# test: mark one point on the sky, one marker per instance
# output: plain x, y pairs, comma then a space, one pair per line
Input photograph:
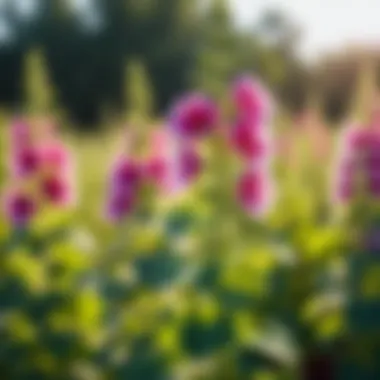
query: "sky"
326, 24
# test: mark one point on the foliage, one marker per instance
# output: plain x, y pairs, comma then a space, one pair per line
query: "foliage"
192, 287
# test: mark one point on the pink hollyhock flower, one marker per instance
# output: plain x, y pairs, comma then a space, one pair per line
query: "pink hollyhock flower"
126, 174
251, 100
184, 164
359, 156
160, 142
194, 116
250, 144
20, 208
254, 192
56, 157
360, 141
20, 134
56, 190
190, 164
374, 186
156, 170
119, 205
26, 161
126, 177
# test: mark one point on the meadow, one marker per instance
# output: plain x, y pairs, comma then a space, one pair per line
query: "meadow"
214, 280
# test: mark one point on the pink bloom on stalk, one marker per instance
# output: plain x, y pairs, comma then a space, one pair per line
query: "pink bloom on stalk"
160, 142
20, 208
360, 155
250, 144
20, 133
156, 170
184, 164
56, 190
254, 192
119, 205
194, 116
126, 175
26, 161
56, 157
157, 166
190, 164
252, 101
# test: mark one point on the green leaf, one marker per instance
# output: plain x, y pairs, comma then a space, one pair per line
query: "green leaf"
201, 339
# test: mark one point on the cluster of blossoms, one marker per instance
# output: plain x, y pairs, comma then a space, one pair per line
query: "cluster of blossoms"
40, 171
358, 164
124, 185
251, 139
356, 177
193, 118
175, 160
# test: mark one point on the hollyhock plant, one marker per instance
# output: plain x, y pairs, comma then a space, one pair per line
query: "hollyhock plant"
160, 142
20, 207
185, 165
56, 158
20, 134
156, 169
193, 116
251, 100
157, 165
249, 144
56, 190
254, 192
126, 178
119, 205
126, 174
358, 159
26, 161
190, 164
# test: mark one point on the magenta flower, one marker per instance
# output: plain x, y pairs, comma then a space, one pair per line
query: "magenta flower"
119, 205
251, 100
156, 170
194, 116
160, 142
26, 161
20, 134
126, 175
190, 164
359, 159
20, 208
254, 192
365, 140
56, 158
56, 190
250, 144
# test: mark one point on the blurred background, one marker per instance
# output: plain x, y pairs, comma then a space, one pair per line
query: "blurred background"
194, 287
88, 51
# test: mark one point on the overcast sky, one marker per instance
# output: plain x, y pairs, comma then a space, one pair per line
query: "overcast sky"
327, 24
